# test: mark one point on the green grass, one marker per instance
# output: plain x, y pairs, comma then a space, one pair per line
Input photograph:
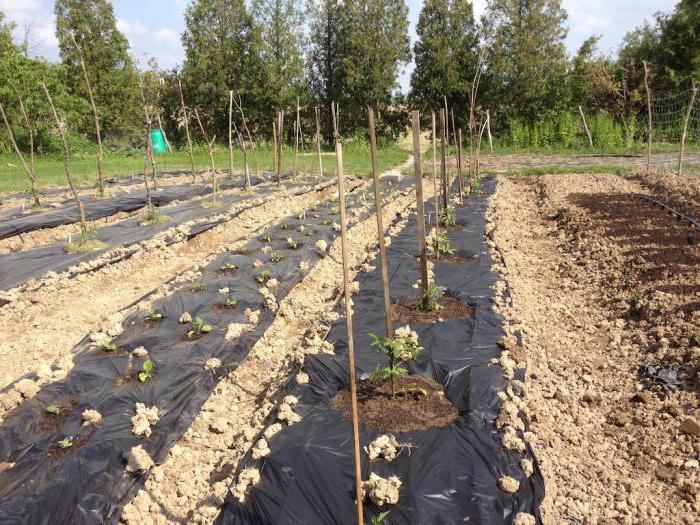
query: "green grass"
49, 169
553, 170
636, 148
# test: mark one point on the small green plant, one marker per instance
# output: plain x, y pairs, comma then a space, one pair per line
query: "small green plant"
309, 233
285, 225
154, 217
266, 237
231, 302
443, 244
400, 349
147, 370
227, 267
327, 222
198, 286
335, 210
301, 214
430, 300
292, 244
154, 316
276, 257
200, 328
449, 217
379, 519
86, 242
263, 276
109, 346
66, 442
53, 409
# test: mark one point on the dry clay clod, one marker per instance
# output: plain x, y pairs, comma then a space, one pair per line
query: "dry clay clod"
508, 484
91, 417
212, 364
261, 449
185, 318
247, 478
523, 518
138, 460
381, 490
384, 446
144, 418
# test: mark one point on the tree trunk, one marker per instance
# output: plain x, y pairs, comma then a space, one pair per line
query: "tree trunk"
585, 126
685, 129
185, 119
29, 171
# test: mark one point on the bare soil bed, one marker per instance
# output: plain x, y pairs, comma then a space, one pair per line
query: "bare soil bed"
601, 284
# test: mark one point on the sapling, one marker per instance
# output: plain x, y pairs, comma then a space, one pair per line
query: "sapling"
28, 168
443, 244
147, 370
53, 409
448, 216
263, 276
200, 328
276, 257
400, 349
66, 442
429, 301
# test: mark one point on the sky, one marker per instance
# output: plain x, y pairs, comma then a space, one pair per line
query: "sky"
153, 27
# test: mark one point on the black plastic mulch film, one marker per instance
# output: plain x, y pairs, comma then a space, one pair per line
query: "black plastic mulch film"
449, 475
89, 484
18, 267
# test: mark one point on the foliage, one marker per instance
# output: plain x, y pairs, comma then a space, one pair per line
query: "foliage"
263, 276
276, 257
449, 216
443, 244
200, 328
109, 346
430, 300
400, 349
66, 442
53, 409
147, 371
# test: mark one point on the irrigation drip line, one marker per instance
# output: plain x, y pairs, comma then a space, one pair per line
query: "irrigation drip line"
86, 483
679, 215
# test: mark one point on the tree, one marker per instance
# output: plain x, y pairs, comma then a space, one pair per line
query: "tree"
679, 49
6, 43
527, 60
109, 66
222, 53
446, 55
281, 25
591, 82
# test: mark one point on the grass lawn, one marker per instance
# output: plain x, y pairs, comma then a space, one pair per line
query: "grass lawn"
49, 169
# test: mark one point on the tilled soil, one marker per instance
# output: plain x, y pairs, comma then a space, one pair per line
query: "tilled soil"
600, 283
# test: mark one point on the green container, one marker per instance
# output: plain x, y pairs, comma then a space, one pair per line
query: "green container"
158, 141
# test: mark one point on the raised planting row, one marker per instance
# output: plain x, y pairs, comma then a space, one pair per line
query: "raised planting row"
76, 450
67, 213
433, 453
19, 267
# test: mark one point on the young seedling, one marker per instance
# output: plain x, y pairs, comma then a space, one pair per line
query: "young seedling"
400, 349
231, 302
301, 214
266, 237
335, 210
263, 276
276, 257
53, 409
227, 267
292, 244
199, 286
285, 225
327, 222
153, 217
66, 442
443, 244
449, 218
109, 346
147, 371
379, 519
309, 233
429, 301
154, 316
200, 328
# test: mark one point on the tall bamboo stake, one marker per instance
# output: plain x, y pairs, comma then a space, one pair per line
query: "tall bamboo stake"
650, 127
488, 130
348, 320
239, 104
297, 131
280, 128
210, 148
380, 224
436, 197
185, 119
454, 129
96, 117
230, 134
149, 141
66, 160
478, 152
685, 129
585, 126
274, 146
460, 182
443, 168
27, 169
318, 140
418, 171
447, 124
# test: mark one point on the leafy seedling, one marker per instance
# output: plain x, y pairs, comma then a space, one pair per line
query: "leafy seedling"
53, 409
285, 225
301, 215
292, 244
335, 210
276, 257
429, 301
66, 442
200, 328
443, 244
327, 222
309, 233
199, 286
154, 316
400, 349
231, 302
379, 519
147, 371
266, 237
449, 217
109, 346
263, 276
227, 267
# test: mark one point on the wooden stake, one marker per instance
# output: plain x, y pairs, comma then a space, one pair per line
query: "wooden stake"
230, 134
66, 160
585, 126
147, 114
348, 319
185, 119
478, 152
280, 128
685, 129
149, 201
29, 171
436, 195
318, 140
380, 225
650, 127
447, 124
96, 117
460, 182
297, 131
274, 145
239, 104
443, 167
488, 130
210, 148
418, 171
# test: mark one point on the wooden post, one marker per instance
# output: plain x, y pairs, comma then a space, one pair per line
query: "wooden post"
239, 104
147, 114
318, 140
185, 119
66, 160
29, 171
454, 129
488, 130
210, 148
149, 200
418, 170
274, 146
348, 320
380, 225
230, 134
585, 126
443, 171
297, 131
685, 129
436, 195
478, 152
460, 182
96, 117
447, 124
650, 127
280, 127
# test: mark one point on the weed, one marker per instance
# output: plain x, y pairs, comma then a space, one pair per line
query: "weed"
309, 233
301, 214
85, 243
276, 257
379, 519
327, 222
430, 300
53, 409
147, 371
153, 217
400, 349
335, 210
231, 302
263, 276
200, 328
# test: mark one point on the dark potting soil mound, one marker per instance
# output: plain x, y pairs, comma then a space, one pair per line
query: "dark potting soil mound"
409, 410
407, 311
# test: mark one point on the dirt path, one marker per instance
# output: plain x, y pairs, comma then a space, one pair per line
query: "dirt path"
602, 283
